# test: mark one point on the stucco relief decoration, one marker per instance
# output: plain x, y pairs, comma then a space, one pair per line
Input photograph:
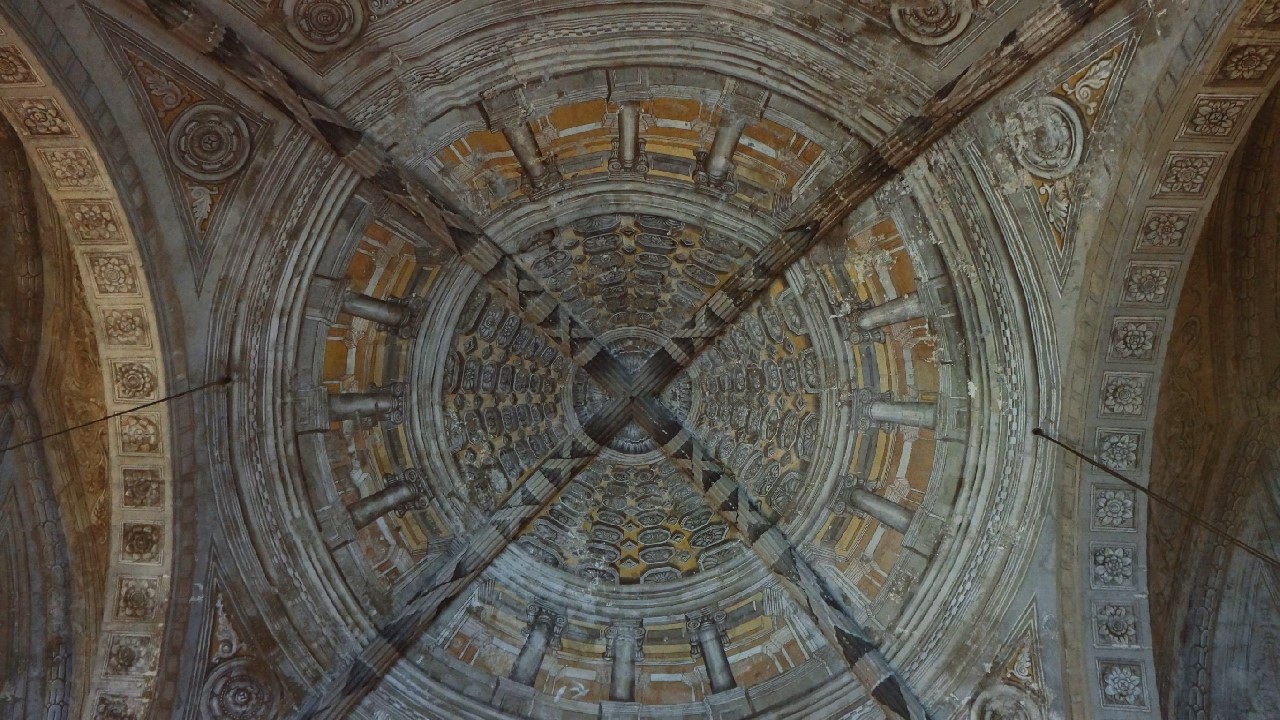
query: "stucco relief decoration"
14, 69
1049, 138
1005, 702
94, 222
143, 488
41, 116
1118, 449
1187, 173
1124, 394
1165, 229
1267, 14
209, 142
1247, 64
1133, 339
1215, 117
115, 707
136, 598
140, 542
1088, 90
324, 25
133, 381
131, 655
71, 168
113, 274
931, 22
240, 689
126, 326
1148, 283
1122, 685
1113, 508
1112, 566
1115, 625
139, 434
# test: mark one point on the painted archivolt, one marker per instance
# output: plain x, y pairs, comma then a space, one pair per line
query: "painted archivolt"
118, 299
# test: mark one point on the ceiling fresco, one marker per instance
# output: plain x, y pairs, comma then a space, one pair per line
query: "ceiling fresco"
587, 360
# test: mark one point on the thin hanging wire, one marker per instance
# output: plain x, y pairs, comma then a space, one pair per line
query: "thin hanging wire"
1188, 514
144, 406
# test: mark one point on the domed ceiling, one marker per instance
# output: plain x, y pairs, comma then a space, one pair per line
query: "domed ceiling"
608, 360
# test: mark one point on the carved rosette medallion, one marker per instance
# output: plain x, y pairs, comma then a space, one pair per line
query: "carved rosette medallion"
209, 142
324, 25
934, 22
240, 689
1051, 141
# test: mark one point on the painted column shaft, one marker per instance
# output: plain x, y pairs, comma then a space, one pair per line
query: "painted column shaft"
345, 405
622, 681
368, 509
629, 134
899, 309
886, 511
714, 657
525, 147
727, 137
529, 661
915, 414
371, 308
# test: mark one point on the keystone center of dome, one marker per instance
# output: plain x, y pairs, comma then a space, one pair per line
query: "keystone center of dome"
632, 347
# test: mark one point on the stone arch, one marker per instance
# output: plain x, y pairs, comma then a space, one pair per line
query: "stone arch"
85, 201
1169, 178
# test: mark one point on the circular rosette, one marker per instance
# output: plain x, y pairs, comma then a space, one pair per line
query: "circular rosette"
324, 25
932, 22
209, 142
241, 689
1050, 142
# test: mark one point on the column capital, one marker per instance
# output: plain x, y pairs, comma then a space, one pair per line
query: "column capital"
697, 622
538, 614
625, 630
415, 479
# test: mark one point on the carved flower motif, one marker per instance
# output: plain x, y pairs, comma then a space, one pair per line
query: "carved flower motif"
113, 707
1147, 284
125, 326
1113, 508
134, 381
1186, 174
142, 487
1116, 626
41, 116
94, 222
113, 274
1118, 451
1216, 117
14, 69
1122, 685
1165, 229
72, 168
1113, 566
140, 543
136, 598
1247, 63
1133, 340
1124, 395
130, 655
139, 434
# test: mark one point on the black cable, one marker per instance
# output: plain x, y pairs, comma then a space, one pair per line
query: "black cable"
1163, 501
223, 381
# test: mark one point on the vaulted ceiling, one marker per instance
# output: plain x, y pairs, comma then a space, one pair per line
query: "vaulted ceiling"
602, 360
